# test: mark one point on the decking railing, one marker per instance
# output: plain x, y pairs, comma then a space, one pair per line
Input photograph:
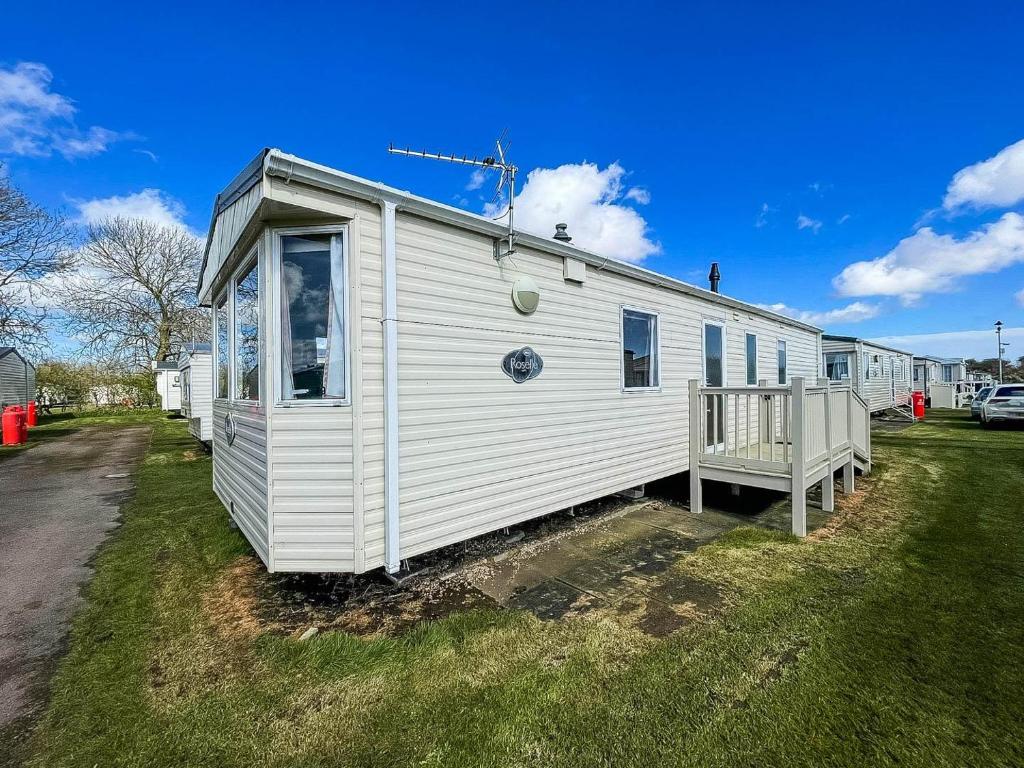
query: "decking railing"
786, 438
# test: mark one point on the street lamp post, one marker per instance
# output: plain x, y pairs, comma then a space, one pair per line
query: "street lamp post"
999, 340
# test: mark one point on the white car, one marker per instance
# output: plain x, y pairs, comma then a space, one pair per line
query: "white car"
1004, 405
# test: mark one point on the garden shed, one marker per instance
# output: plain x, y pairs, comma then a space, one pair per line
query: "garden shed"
17, 378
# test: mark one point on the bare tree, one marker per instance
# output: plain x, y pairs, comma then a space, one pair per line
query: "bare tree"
33, 245
132, 298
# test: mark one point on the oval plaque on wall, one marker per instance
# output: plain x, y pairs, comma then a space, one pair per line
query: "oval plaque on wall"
522, 365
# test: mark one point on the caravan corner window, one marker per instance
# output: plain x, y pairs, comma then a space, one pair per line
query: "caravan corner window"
223, 355
313, 316
247, 335
782, 361
641, 363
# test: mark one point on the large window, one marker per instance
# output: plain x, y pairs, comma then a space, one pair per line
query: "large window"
782, 361
313, 317
640, 359
247, 335
751, 360
837, 366
947, 373
223, 354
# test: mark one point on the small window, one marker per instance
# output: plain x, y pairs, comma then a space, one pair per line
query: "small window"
313, 317
837, 366
947, 373
247, 335
751, 360
782, 362
640, 361
714, 355
867, 366
223, 355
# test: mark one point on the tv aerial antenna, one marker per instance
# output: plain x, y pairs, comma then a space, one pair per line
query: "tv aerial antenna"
497, 162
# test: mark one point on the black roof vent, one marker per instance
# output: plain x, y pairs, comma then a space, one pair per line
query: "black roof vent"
561, 234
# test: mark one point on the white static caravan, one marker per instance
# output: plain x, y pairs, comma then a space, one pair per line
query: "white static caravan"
195, 375
17, 379
930, 370
881, 375
168, 384
386, 385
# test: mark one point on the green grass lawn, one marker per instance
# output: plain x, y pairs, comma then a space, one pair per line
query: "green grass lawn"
895, 638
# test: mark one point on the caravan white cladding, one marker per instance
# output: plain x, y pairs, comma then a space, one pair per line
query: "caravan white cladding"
388, 420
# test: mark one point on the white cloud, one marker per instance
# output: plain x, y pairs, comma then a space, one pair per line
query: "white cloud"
36, 122
998, 181
1019, 296
806, 222
476, 179
977, 344
856, 312
927, 262
843, 219
151, 155
150, 204
762, 215
639, 195
589, 200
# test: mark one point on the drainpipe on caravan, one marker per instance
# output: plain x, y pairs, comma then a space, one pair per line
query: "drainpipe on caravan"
392, 559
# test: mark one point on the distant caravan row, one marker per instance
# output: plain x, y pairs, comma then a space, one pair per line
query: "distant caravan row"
185, 386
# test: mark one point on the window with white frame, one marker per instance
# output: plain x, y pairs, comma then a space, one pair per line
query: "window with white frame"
837, 366
247, 334
781, 349
947, 373
867, 366
313, 315
751, 350
221, 341
641, 361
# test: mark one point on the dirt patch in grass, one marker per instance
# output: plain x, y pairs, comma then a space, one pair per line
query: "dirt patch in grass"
232, 604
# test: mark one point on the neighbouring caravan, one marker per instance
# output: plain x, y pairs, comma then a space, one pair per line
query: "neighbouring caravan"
930, 370
195, 376
168, 384
880, 374
17, 379
387, 381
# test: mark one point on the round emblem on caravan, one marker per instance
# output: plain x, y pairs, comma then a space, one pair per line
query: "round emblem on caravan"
229, 428
522, 365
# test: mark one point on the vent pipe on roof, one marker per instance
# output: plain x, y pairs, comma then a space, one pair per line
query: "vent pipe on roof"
561, 234
714, 276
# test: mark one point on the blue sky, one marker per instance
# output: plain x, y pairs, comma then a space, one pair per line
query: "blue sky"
714, 131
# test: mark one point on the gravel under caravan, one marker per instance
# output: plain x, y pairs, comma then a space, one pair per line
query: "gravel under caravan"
387, 382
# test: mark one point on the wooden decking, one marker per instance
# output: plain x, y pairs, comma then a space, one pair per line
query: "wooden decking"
783, 438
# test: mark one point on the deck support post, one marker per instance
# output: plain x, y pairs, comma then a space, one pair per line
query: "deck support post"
867, 438
696, 435
848, 481
799, 468
828, 491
